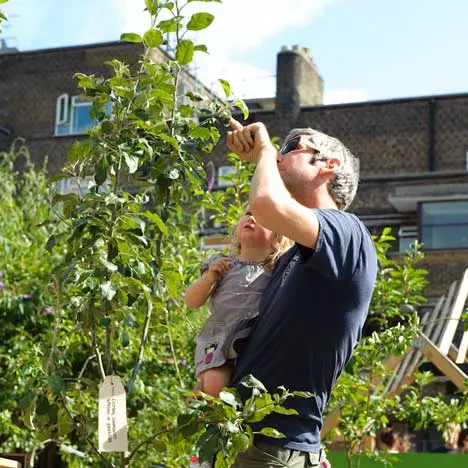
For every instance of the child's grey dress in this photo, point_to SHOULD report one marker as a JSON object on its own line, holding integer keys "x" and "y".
{"x": 233, "y": 305}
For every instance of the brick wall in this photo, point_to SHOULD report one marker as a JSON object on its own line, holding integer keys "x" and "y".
{"x": 30, "y": 84}
{"x": 444, "y": 266}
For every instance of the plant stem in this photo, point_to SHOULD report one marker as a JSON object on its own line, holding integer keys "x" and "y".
{"x": 56, "y": 327}
{"x": 144, "y": 337}
{"x": 96, "y": 348}
{"x": 171, "y": 345}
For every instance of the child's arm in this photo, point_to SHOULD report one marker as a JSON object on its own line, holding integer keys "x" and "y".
{"x": 197, "y": 293}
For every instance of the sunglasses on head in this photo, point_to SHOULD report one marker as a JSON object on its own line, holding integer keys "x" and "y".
{"x": 294, "y": 143}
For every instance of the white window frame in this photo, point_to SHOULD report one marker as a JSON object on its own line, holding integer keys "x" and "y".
{"x": 61, "y": 111}
{"x": 77, "y": 102}
{"x": 65, "y": 113}
{"x": 407, "y": 232}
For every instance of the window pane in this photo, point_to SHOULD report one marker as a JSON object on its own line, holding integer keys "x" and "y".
{"x": 81, "y": 119}
{"x": 445, "y": 212}
{"x": 407, "y": 243}
{"x": 445, "y": 237}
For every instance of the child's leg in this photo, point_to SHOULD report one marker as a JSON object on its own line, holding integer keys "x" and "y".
{"x": 215, "y": 379}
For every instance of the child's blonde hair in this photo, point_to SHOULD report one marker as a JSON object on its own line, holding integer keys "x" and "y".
{"x": 283, "y": 245}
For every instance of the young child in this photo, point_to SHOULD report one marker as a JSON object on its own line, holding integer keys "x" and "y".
{"x": 234, "y": 285}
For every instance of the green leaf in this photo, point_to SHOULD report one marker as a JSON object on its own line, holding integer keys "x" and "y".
{"x": 169, "y": 25}
{"x": 226, "y": 87}
{"x": 251, "y": 382}
{"x": 57, "y": 384}
{"x": 153, "y": 217}
{"x": 283, "y": 410}
{"x": 201, "y": 132}
{"x": 50, "y": 243}
{"x": 59, "y": 198}
{"x": 131, "y": 162}
{"x": 184, "y": 52}
{"x": 104, "y": 322}
{"x": 241, "y": 441}
{"x": 27, "y": 400}
{"x": 131, "y": 37}
{"x": 152, "y": 6}
{"x": 228, "y": 398}
{"x": 200, "y": 21}
{"x": 109, "y": 265}
{"x": 101, "y": 168}
{"x": 153, "y": 38}
{"x": 242, "y": 106}
{"x": 195, "y": 97}
{"x": 271, "y": 432}
{"x": 124, "y": 339}
{"x": 201, "y": 48}
{"x": 42, "y": 405}
{"x": 108, "y": 290}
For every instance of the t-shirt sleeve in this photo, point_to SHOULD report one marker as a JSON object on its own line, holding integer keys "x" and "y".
{"x": 210, "y": 260}
{"x": 339, "y": 245}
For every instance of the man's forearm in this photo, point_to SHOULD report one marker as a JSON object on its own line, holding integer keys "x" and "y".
{"x": 267, "y": 182}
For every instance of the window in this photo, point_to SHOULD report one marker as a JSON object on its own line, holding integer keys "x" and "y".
{"x": 77, "y": 185}
{"x": 225, "y": 171}
{"x": 72, "y": 115}
{"x": 407, "y": 235}
{"x": 444, "y": 225}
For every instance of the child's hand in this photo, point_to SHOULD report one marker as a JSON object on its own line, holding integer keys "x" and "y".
{"x": 219, "y": 267}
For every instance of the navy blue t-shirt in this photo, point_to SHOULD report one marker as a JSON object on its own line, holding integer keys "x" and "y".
{"x": 311, "y": 318}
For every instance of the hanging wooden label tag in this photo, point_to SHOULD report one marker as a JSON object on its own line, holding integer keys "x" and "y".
{"x": 112, "y": 423}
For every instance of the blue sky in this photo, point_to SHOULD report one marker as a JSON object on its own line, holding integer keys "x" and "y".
{"x": 364, "y": 49}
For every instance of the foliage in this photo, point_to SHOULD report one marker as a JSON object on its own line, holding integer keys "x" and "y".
{"x": 3, "y": 16}
{"x": 362, "y": 393}
{"x": 126, "y": 249}
{"x": 26, "y": 302}
{"x": 104, "y": 297}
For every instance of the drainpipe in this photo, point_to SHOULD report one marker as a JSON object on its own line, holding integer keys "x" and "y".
{"x": 431, "y": 152}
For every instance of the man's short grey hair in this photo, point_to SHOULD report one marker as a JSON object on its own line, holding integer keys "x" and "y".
{"x": 343, "y": 186}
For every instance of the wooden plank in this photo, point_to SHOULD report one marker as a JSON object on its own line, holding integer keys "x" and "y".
{"x": 432, "y": 353}
{"x": 455, "y": 314}
{"x": 429, "y": 320}
{"x": 5, "y": 463}
{"x": 462, "y": 352}
{"x": 331, "y": 420}
{"x": 441, "y": 320}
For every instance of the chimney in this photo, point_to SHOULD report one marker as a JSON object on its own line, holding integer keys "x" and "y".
{"x": 298, "y": 82}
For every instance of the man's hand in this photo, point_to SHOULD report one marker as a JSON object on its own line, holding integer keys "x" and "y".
{"x": 250, "y": 141}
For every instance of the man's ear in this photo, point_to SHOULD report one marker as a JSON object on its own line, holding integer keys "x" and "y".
{"x": 331, "y": 165}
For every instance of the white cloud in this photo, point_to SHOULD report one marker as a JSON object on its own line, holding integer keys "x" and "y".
{"x": 239, "y": 26}
{"x": 342, "y": 96}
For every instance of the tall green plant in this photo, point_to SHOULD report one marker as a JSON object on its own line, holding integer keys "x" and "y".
{"x": 26, "y": 294}
{"x": 130, "y": 244}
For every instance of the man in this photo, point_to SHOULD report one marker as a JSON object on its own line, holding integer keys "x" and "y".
{"x": 314, "y": 308}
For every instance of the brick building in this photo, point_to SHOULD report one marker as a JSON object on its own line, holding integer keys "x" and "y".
{"x": 413, "y": 152}
{"x": 413, "y": 160}
{"x": 39, "y": 97}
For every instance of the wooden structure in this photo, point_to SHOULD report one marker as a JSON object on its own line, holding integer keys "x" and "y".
{"x": 8, "y": 463}
{"x": 438, "y": 344}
